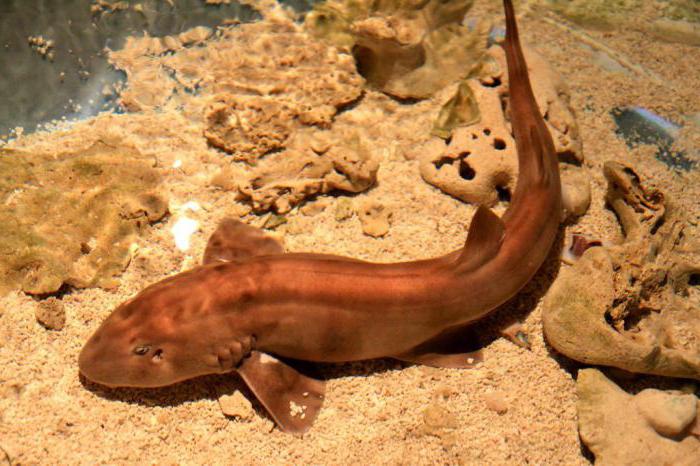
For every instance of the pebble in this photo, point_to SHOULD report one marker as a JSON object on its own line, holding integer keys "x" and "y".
{"x": 51, "y": 314}
{"x": 576, "y": 193}
{"x": 668, "y": 413}
{"x": 375, "y": 219}
{"x": 343, "y": 209}
{"x": 496, "y": 401}
{"x": 236, "y": 405}
{"x": 437, "y": 419}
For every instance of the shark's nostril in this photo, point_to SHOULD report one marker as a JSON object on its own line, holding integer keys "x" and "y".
{"x": 158, "y": 355}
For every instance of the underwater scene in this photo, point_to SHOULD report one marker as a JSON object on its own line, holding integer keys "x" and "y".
{"x": 402, "y": 232}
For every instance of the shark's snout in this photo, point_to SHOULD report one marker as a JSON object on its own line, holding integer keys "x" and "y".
{"x": 92, "y": 362}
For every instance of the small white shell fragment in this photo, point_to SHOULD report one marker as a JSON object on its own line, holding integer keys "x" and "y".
{"x": 266, "y": 359}
{"x": 177, "y": 163}
{"x": 182, "y": 231}
{"x": 190, "y": 205}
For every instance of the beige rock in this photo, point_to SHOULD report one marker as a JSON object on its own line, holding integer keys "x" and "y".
{"x": 285, "y": 179}
{"x": 628, "y": 306}
{"x": 575, "y": 192}
{"x": 668, "y": 413}
{"x": 613, "y": 428}
{"x": 375, "y": 218}
{"x": 315, "y": 208}
{"x": 256, "y": 99}
{"x": 236, "y": 405}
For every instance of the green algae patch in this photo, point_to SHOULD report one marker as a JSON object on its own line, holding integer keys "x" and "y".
{"x": 597, "y": 14}
{"x": 462, "y": 109}
{"x": 70, "y": 218}
{"x": 683, "y": 10}
{"x": 404, "y": 48}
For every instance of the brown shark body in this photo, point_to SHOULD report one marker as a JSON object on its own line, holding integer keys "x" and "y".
{"x": 250, "y": 303}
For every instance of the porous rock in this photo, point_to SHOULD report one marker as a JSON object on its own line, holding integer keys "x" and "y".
{"x": 628, "y": 305}
{"x": 268, "y": 97}
{"x": 248, "y": 127}
{"x": 296, "y": 82}
{"x": 478, "y": 163}
{"x": 264, "y": 80}
{"x": 70, "y": 217}
{"x": 613, "y": 428}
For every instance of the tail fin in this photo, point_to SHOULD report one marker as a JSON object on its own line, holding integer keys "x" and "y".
{"x": 536, "y": 154}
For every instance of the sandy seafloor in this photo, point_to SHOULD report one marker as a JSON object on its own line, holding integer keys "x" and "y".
{"x": 375, "y": 412}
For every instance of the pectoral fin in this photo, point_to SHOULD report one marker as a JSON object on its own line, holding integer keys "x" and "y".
{"x": 292, "y": 399}
{"x": 234, "y": 240}
{"x": 449, "y": 349}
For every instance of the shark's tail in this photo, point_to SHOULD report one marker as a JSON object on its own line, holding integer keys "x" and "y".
{"x": 537, "y": 159}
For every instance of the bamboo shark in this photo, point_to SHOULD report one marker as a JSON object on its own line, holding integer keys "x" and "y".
{"x": 250, "y": 305}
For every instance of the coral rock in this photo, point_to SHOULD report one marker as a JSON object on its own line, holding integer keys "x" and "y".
{"x": 284, "y": 179}
{"x": 668, "y": 413}
{"x": 247, "y": 127}
{"x": 478, "y": 163}
{"x": 409, "y": 50}
{"x": 614, "y": 429}
{"x": 71, "y": 217}
{"x": 264, "y": 81}
{"x": 628, "y": 305}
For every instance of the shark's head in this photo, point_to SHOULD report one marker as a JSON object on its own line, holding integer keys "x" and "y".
{"x": 166, "y": 334}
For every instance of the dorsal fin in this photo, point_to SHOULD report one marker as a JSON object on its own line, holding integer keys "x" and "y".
{"x": 483, "y": 241}
{"x": 234, "y": 240}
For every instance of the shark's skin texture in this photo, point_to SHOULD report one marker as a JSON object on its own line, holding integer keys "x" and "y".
{"x": 250, "y": 303}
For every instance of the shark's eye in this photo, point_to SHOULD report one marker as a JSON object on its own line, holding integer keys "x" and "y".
{"x": 142, "y": 350}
